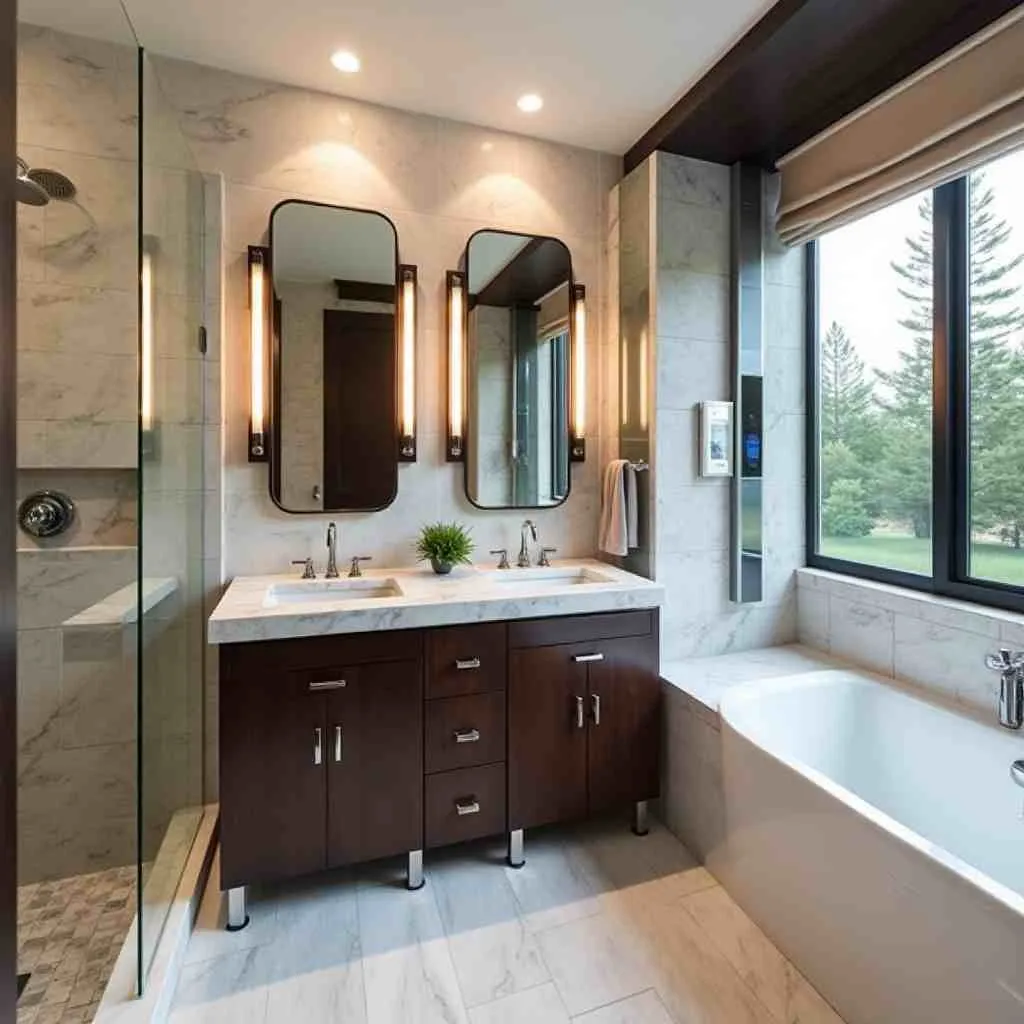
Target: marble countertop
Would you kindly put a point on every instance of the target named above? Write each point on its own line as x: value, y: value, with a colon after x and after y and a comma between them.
x: 249, y: 611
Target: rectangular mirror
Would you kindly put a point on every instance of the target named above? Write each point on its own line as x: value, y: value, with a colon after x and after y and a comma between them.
x: 334, y: 395
x: 517, y: 370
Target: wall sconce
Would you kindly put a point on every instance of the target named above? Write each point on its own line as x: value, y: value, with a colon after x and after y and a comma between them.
x: 259, y: 289
x: 456, y: 286
x: 578, y: 441
x: 147, y: 419
x: 407, y: 355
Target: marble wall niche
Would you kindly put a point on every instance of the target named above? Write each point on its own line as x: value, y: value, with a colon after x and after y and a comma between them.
x: 676, y: 280
x: 439, y: 181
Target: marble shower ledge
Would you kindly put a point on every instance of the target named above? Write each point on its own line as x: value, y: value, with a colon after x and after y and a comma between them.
x: 121, y: 608
x: 467, y: 595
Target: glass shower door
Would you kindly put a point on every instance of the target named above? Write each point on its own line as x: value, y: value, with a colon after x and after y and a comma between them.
x: 172, y: 475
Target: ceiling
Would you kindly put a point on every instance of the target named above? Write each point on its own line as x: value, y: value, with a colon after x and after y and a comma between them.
x: 607, y: 70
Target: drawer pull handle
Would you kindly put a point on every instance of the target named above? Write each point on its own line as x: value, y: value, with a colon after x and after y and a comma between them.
x: 579, y: 713
x: 318, y: 746
x: 337, y: 744
x: 467, y: 735
x: 467, y: 805
x: 328, y: 684
x: 595, y: 701
x: 587, y: 657
x: 465, y: 664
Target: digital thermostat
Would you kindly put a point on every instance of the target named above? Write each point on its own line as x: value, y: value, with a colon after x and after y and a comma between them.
x: 716, y: 438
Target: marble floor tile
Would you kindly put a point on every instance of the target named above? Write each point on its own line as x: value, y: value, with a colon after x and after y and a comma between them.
x: 775, y: 981
x: 495, y: 955
x: 552, y: 887
x: 407, y: 964
x: 593, y: 962
x: 600, y: 927
x: 645, y: 1008
x: 541, y: 1005
x: 225, y: 990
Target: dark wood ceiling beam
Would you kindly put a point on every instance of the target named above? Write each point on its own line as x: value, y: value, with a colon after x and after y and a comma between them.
x: 802, y: 67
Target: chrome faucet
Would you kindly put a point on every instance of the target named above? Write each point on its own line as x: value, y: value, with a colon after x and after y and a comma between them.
x: 1010, y: 666
x: 332, y: 552
x: 524, y: 547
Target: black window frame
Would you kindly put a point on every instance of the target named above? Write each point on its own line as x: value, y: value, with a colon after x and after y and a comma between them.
x: 951, y: 532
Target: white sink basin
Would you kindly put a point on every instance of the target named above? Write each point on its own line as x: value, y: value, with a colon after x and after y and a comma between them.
x: 324, y: 591
x: 545, y: 579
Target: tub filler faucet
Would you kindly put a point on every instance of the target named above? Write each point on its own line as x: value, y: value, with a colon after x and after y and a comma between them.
x: 1010, y: 666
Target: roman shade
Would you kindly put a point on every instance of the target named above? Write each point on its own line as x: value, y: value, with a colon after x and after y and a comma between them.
x: 960, y: 111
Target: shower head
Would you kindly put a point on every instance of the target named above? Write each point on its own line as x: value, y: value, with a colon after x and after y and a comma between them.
x: 27, y: 191
x: 36, y: 186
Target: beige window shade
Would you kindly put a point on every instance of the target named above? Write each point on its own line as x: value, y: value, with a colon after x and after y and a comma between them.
x: 960, y: 111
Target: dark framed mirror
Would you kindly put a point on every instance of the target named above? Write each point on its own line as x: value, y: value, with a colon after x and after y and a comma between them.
x: 518, y: 359
x: 334, y: 393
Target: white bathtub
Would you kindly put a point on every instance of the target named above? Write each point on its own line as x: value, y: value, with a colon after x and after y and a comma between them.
x: 879, y: 839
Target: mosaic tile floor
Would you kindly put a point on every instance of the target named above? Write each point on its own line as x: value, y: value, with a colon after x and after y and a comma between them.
x: 69, y: 934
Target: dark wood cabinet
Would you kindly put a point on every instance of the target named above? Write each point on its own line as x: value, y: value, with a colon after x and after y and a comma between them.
x: 375, y: 763
x: 321, y: 752
x: 273, y: 792
x: 547, y: 736
x: 584, y: 717
x: 341, y: 749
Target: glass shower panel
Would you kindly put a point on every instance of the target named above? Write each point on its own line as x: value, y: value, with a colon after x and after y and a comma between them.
x: 77, y: 305
x: 171, y: 485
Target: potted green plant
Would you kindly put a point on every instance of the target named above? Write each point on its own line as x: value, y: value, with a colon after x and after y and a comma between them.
x: 444, y: 545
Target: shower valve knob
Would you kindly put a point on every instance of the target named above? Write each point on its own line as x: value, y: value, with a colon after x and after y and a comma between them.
x: 46, y: 513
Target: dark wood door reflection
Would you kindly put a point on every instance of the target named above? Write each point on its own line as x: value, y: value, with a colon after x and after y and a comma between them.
x: 360, y: 467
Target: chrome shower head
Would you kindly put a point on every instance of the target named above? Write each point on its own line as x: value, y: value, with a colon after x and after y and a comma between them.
x: 27, y: 191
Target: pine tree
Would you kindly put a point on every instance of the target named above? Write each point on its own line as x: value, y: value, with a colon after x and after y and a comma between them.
x: 846, y: 397
x: 996, y: 399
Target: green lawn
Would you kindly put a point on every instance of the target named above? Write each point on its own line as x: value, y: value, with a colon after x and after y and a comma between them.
x: 988, y: 561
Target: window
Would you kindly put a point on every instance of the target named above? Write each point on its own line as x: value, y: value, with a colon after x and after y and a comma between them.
x: 916, y: 345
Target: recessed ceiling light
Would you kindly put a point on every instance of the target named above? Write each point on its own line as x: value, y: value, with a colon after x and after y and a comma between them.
x: 345, y: 60
x: 530, y: 103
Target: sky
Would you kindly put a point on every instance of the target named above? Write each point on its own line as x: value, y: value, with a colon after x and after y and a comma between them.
x: 857, y: 285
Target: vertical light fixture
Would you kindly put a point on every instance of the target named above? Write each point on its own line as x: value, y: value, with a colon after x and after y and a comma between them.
x: 259, y: 287
x: 407, y: 354
x: 578, y: 443
x: 456, y: 286
x: 146, y: 356
x: 644, y: 419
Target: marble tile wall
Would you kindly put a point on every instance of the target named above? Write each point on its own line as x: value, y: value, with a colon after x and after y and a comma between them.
x: 76, y: 716
x: 933, y: 642
x: 439, y: 181
x: 687, y: 290
x: 77, y: 295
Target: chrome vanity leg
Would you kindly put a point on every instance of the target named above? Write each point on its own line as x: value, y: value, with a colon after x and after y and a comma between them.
x: 640, y: 818
x: 414, y: 876
x: 237, y: 917
x: 516, y: 859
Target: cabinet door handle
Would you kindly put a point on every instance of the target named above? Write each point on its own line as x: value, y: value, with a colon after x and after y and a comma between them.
x: 467, y: 735
x: 467, y: 805
x: 318, y: 746
x: 595, y: 702
x: 337, y: 744
x: 466, y: 664
x: 328, y: 684
x: 579, y: 713
x: 587, y: 657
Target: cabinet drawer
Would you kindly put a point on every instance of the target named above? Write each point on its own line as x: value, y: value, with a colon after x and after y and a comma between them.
x: 466, y: 659
x: 478, y: 792
x: 575, y: 629
x: 465, y: 731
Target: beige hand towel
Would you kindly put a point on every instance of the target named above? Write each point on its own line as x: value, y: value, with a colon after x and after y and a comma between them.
x: 614, y: 533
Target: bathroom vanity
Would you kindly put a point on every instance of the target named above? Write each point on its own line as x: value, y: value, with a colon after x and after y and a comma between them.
x: 401, y: 712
